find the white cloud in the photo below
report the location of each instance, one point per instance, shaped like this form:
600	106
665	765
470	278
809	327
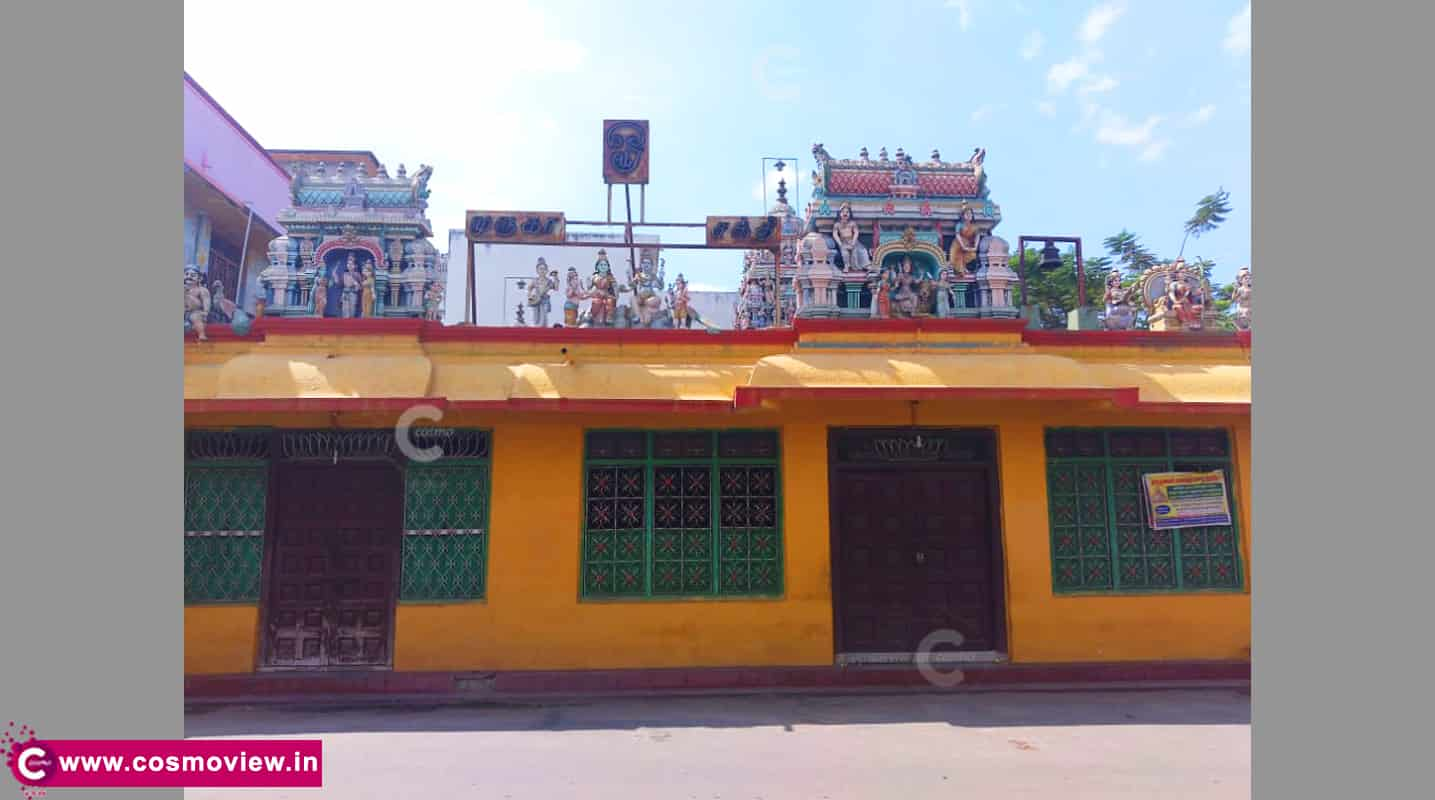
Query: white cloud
1046	108
1238	32
982	114
1200	116
964	12
1097	85
1098	21
1115	129
1155	150
1031	45
1062	75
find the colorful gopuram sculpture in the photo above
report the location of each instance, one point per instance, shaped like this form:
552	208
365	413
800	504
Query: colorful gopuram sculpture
355	245
884	237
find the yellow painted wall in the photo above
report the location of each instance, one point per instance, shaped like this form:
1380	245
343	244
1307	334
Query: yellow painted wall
220	639
532	618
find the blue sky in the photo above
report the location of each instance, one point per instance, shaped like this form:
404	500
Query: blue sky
1095	116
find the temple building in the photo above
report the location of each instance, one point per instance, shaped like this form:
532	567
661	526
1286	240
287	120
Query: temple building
892	461
356	242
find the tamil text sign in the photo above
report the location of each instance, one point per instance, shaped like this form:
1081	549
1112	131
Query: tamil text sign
748	233
517	227
1187	499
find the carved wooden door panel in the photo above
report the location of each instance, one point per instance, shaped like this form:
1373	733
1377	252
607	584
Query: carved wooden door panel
914	556
334	568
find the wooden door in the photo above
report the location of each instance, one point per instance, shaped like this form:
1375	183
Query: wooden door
334	566
915	556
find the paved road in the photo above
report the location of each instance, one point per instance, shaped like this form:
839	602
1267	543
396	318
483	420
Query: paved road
1168	744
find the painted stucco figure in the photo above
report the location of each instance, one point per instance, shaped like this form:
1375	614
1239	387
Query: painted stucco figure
1241	299
603	292
845	233
1117	298
1180	306
366	291
964	244
904	289
539	290
680	303
349	285
196	303
573	295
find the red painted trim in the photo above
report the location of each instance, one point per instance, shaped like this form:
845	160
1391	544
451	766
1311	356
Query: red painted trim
514	334
237	127
223	333
749	396
909	325
337	326
1197	408
596	406
380	260
240	207
308	404
1059	338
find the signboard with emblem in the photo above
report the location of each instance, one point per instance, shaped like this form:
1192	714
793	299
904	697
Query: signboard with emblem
746	233
625	151
516	227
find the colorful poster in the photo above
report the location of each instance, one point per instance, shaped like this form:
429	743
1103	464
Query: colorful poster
1187	499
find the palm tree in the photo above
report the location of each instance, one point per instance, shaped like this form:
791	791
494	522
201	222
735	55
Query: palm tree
1126	248
1211	211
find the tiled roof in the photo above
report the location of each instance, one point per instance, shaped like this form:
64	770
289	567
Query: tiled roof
879	182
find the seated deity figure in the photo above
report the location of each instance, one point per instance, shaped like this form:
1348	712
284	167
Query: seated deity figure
573	294
538	290
905	289
603	291
845	233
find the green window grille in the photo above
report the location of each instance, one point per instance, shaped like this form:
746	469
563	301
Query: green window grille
1101	537
445	547
681	514
224	506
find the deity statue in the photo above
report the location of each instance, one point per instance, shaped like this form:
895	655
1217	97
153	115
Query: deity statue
221	308
964	244
349	282
1117	299
321	295
681	315
844	231
647	302
538	290
196	302
904	289
573	295
366	293
1241	299
1179	307
882	294
433	302
603	291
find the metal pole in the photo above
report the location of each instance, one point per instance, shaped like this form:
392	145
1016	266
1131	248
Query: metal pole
243	254
628	229
642	202
470	299
1080	277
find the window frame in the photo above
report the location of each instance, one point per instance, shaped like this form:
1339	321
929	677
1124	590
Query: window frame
1109	462
484	532
649	463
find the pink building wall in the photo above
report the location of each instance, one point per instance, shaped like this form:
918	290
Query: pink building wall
218	148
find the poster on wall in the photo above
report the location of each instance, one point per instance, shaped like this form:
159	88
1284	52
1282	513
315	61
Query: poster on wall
1187	499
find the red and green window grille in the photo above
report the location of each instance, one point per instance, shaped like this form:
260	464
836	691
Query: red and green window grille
681	514
226	488
1101	535
446	506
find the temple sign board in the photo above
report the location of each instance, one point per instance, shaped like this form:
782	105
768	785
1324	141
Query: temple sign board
516	227
625	151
